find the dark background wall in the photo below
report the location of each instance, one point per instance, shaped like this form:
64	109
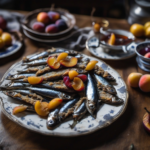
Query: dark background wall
104	8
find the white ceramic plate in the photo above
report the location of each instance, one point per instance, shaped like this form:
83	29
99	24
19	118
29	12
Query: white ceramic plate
106	115
102	53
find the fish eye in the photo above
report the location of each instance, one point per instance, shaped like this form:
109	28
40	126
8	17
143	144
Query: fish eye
51	122
67	96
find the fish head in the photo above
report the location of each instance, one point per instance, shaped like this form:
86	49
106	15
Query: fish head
52	121
65	96
91	106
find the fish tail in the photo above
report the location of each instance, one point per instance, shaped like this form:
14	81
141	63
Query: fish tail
73	124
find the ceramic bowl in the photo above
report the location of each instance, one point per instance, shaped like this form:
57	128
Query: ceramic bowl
116	31
31	18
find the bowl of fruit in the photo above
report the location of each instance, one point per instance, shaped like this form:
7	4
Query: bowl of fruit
48	23
10	41
143	58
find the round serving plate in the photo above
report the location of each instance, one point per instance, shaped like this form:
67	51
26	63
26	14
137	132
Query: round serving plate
14	47
92	45
31	18
106	114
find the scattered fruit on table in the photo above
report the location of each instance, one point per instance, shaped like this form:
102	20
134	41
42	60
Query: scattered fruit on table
91	65
78	84
6	37
112	39
52	20
147	24
147	55
43	17
133	79
41	108
147	32
83	77
35	80
72	74
69	63
2	44
146	120
62	56
137	30
67	82
96	27
19	109
38	26
144	83
52	62
54	103
3	23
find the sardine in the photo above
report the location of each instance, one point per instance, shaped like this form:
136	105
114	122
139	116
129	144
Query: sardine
57	85
51	93
32	69
79	111
99	71
32	95
104	85
48	52
19	76
20	97
92	96
43	61
44	68
109	98
14	85
53	118
68	108
60	73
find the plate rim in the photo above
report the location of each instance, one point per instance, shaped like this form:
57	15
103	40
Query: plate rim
87	47
64	134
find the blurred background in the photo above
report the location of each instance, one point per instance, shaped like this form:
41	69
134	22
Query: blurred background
104	8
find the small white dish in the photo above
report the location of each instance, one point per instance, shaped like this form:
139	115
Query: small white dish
92	45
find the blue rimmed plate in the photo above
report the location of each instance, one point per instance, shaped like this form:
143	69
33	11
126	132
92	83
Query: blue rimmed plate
92	45
15	46
106	115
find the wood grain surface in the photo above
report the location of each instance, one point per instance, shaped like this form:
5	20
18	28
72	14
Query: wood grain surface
120	135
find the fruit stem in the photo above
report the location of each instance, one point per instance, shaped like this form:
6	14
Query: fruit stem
147	110
148	113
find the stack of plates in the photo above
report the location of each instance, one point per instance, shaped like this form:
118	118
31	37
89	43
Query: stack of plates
48	37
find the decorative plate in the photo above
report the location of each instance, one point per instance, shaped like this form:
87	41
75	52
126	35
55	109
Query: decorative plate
92	44
31	18
16	45
106	115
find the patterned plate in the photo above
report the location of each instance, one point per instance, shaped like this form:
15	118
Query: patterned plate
16	45
106	114
93	47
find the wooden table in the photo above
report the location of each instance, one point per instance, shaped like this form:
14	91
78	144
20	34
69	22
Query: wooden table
120	135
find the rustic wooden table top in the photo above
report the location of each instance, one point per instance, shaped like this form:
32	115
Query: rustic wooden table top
120	135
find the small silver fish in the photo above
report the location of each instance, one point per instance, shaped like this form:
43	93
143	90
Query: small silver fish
53	118
91	94
79	111
99	71
68	108
51	93
109	98
104	85
19	76
48	52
